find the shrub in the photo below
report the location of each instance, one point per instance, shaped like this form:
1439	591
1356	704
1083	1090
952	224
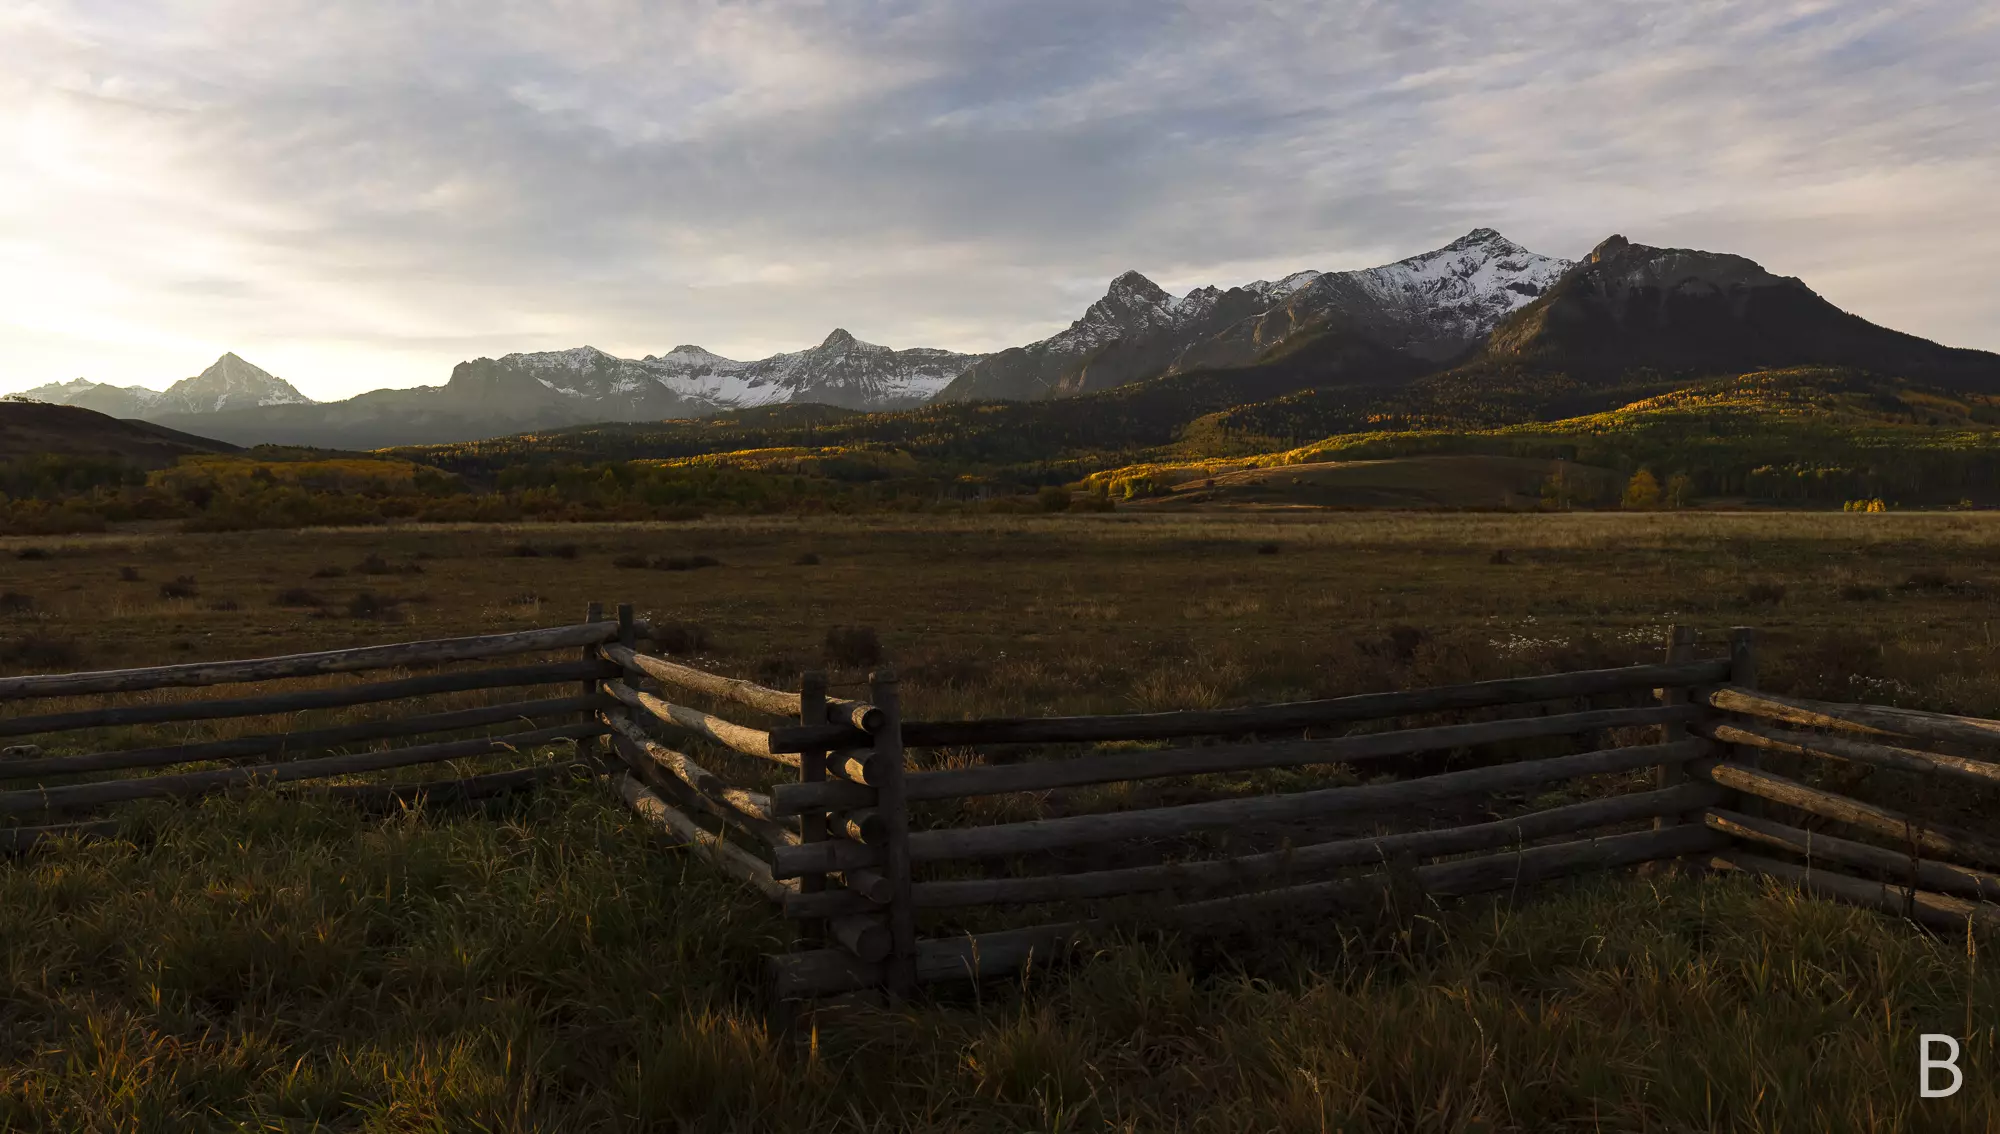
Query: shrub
685	562
1862	592
223	604
629	560
41	651
1053	498
524	551
32	553
369	605
852	646
297	596
682	637
329	572
1928	581
563	551
129	575
376	565
806	559
14	602
1764	594
1268	547
183	586
1500	558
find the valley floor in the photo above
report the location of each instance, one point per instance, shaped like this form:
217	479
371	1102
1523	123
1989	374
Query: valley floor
547	964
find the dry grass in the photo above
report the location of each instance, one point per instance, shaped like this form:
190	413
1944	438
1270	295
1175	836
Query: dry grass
546	964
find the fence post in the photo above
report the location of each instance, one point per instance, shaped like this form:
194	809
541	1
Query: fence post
892	805
1743	674
1680	648
812	770
591	749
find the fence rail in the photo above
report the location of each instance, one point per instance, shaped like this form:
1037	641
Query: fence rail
820	809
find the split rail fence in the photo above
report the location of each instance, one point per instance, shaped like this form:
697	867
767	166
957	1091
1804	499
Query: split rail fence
862	826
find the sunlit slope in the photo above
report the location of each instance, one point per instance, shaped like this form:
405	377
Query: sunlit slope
1806	434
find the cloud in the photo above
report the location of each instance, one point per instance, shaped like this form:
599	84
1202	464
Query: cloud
361	194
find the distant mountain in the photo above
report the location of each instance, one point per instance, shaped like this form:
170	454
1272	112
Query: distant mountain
1431	307
1677	311
229	384
38	429
490	397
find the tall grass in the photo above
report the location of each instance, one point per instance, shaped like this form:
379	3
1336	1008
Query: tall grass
547	964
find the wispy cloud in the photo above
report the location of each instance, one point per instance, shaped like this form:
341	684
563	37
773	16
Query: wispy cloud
360	194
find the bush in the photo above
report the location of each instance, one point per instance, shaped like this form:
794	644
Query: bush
1269	547
1862	592
129	575
1500	558
14	602
682	637
376	565
369	605
1764	594
563	551
1053	498
807	559
223	604
182	587
32	553
297	596
524	551
41	651
685	562
1928	581
329	572
629	560
852	646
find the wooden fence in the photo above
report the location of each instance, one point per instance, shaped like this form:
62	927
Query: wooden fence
862	826
50	790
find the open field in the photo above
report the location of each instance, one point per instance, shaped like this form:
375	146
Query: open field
546	964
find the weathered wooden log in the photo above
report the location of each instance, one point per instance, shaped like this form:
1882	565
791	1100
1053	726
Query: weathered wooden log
751	803
1814	846
308	740
839	712
864	826
1046	775
307	699
307	665
892	808
1882	720
1932	838
1266	718
197	783
1190	879
1162	822
866	935
749	741
1680	648
729	859
739	812
14	840
448	792
1771	739
1478	875
870	884
822	972
813	828
1922	906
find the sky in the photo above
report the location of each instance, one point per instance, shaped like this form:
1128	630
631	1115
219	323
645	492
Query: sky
361	194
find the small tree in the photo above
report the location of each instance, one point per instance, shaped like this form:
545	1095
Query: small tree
1642	492
1679	490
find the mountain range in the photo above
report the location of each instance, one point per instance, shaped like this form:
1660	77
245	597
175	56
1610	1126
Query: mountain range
1479	329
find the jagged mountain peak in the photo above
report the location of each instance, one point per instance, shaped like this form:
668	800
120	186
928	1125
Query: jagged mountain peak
1130	286
838	338
230	382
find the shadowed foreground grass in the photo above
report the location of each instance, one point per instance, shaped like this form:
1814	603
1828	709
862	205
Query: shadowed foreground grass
260	963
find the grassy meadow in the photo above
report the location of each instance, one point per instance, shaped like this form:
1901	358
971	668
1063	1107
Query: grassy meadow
271	962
